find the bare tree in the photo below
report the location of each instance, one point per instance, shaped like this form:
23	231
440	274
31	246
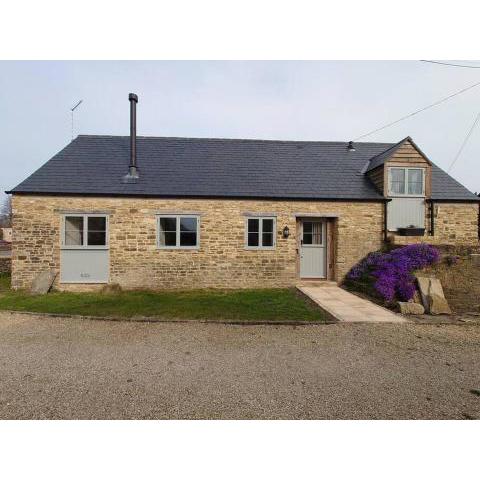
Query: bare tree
6	212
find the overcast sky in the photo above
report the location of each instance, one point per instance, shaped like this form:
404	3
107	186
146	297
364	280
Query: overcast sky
268	100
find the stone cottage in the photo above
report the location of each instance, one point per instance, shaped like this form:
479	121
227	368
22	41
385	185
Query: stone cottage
156	212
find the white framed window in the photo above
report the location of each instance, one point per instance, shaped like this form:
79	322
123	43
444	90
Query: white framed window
260	232
406	182
88	231
178	231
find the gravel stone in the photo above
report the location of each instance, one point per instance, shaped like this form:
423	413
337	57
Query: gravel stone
59	368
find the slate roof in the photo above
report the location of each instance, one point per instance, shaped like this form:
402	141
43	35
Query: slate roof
204	167
380	159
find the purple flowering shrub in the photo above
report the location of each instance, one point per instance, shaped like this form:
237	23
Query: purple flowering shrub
391	273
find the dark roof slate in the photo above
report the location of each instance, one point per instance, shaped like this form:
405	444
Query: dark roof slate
384	156
380	159
203	167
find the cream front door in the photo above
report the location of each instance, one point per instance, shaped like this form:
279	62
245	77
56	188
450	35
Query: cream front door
313	251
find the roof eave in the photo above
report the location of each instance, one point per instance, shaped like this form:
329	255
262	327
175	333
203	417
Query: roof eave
251	197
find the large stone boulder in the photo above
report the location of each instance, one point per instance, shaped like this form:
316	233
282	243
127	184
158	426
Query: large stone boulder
411	308
438	305
432	295
43	282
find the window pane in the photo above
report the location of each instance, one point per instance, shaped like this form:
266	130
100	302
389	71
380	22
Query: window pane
168	239
168	232
415	181
307	233
307	238
73	230
307	227
397	181
188	231
96	234
317	233
168	224
267	239
188	239
96	238
253	225
188	224
97	224
267	225
253	239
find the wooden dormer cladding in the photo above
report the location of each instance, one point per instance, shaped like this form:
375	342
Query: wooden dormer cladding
405	155
377	177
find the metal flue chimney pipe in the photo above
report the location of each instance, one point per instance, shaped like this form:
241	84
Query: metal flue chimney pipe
132	175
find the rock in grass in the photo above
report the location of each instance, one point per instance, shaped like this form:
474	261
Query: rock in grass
411	308
431	287
438	305
43	282
111	288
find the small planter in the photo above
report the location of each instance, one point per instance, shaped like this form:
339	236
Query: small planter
411	232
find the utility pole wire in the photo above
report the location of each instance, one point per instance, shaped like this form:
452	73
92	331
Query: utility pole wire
417	111
457	156
450	64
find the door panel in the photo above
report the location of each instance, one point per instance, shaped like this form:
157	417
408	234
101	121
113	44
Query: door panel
84	266
406	211
313	249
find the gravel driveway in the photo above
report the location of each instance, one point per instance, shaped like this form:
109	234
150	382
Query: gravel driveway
64	368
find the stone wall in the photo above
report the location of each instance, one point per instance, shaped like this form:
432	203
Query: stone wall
222	260
5	265
454	224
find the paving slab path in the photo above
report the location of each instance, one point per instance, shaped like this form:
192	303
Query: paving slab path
346	307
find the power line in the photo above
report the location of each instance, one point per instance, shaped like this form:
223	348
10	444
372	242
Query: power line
450	64
417	111
457	156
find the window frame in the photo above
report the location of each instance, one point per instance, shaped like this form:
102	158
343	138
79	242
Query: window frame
406	170
260	232
177	245
323	232
85	246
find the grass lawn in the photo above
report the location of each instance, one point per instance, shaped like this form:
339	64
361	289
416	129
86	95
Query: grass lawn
280	305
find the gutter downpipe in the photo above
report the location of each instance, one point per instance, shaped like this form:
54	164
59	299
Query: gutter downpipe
385	220
432	217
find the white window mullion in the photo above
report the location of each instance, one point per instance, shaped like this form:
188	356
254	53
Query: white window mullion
107	231
85	230
191	232
406	183
197	229
260	245
177	236
260	233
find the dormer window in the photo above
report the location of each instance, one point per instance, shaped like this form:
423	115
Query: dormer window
406	182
